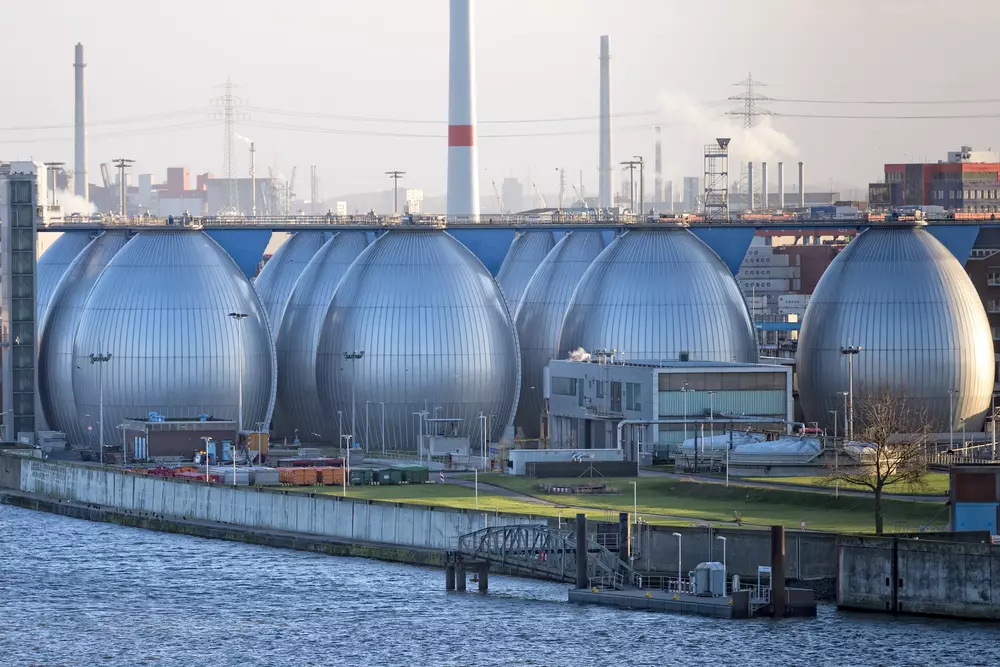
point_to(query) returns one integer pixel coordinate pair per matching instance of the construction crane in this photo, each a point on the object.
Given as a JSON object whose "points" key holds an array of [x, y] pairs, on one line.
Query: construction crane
{"points": [[582, 200], [105, 176], [540, 197], [503, 209]]}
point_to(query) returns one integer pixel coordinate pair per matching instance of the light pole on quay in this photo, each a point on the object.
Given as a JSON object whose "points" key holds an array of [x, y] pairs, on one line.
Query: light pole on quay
{"points": [[100, 359]]}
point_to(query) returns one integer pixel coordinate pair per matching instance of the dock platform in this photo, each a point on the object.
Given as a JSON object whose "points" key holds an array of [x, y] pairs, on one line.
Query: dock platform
{"points": [[800, 602]]}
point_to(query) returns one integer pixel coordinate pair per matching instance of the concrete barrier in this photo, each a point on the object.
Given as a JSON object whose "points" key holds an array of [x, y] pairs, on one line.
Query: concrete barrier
{"points": [[918, 576], [313, 514]]}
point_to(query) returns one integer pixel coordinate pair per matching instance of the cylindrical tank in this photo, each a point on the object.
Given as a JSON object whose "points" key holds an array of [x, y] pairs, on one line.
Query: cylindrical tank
{"points": [[540, 314], [298, 410], [659, 295], [436, 336], [51, 267], [901, 296], [276, 280], [55, 351], [162, 309], [526, 252]]}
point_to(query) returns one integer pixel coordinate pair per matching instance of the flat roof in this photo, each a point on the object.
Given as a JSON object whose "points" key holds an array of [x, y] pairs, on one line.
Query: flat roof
{"points": [[673, 363]]}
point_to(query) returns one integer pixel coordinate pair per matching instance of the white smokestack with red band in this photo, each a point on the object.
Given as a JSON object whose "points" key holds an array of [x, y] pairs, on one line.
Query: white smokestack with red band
{"points": [[463, 159]]}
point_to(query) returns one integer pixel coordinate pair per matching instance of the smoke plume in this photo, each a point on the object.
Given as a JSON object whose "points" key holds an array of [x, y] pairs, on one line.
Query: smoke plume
{"points": [[72, 203], [579, 354]]}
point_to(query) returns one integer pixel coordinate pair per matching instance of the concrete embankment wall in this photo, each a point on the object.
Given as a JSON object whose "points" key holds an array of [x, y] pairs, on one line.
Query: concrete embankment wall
{"points": [[919, 576], [265, 509]]}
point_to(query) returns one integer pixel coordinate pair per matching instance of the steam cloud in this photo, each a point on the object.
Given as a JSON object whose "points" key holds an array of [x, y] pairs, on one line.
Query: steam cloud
{"points": [[71, 204]]}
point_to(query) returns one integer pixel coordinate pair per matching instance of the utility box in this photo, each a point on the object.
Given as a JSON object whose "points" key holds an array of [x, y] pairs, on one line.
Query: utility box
{"points": [[710, 580]]}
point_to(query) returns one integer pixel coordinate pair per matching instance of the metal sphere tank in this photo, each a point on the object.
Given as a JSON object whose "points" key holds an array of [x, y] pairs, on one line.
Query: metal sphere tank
{"points": [[162, 308], [540, 314], [901, 296], [436, 336], [276, 280], [52, 265], [659, 294], [526, 252], [298, 408], [55, 352]]}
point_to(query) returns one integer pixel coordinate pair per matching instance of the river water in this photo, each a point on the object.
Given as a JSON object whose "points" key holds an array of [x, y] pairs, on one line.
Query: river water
{"points": [[79, 593]]}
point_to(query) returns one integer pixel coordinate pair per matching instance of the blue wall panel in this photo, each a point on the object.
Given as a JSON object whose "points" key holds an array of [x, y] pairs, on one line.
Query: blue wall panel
{"points": [[245, 246], [489, 245], [959, 239], [730, 244], [976, 516]]}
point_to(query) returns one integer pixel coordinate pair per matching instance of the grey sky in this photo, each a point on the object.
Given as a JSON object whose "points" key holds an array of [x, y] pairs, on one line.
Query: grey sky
{"points": [[535, 59]]}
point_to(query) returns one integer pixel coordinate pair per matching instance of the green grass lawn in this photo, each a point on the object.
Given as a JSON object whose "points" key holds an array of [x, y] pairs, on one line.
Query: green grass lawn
{"points": [[694, 501], [935, 484]]}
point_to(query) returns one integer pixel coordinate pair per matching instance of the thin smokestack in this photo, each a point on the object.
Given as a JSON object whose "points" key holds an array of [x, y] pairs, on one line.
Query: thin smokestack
{"points": [[781, 185], [606, 182], [763, 185], [80, 182], [802, 185], [750, 205], [658, 167], [463, 159]]}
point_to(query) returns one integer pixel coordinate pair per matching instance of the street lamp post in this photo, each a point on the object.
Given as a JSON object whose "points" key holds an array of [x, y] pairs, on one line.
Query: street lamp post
{"points": [[836, 455], [635, 502], [711, 418], [851, 352], [951, 418], [100, 359], [340, 428], [382, 403], [239, 317], [723, 539], [353, 356], [847, 433], [684, 391], [678, 536]]}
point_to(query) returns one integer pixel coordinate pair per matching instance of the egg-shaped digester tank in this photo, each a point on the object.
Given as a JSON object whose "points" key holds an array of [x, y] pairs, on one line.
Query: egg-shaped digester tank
{"points": [[163, 309], [897, 293], [52, 265], [55, 353], [419, 324], [525, 254], [298, 410], [540, 314], [276, 280], [659, 294]]}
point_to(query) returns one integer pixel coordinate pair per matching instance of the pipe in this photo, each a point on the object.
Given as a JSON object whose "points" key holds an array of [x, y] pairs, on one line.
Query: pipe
{"points": [[658, 168], [781, 185], [463, 159], [802, 185], [764, 203], [606, 182], [750, 186], [80, 183]]}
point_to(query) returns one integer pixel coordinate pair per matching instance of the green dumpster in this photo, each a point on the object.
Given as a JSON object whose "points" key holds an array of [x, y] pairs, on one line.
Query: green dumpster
{"points": [[361, 476], [414, 474], [387, 475]]}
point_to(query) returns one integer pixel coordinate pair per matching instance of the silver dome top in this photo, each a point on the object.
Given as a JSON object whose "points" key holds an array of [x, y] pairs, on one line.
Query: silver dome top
{"points": [[161, 308], [298, 406], [526, 252], [276, 280], [903, 297], [540, 314], [436, 336], [55, 355], [656, 294], [51, 267]]}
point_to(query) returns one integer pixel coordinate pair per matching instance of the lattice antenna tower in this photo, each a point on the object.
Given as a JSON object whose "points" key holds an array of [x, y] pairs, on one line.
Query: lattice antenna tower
{"points": [[749, 110], [229, 115], [717, 181]]}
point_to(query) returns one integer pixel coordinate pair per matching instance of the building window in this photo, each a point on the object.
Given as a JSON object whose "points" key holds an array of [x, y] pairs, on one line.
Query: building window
{"points": [[564, 386], [599, 389], [996, 332], [633, 396], [994, 306], [616, 397], [993, 278]]}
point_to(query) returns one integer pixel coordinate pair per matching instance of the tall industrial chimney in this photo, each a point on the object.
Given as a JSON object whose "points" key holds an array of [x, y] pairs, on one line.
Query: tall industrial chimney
{"points": [[80, 182], [463, 160], [606, 181], [763, 186], [658, 167], [802, 186], [750, 186], [781, 185]]}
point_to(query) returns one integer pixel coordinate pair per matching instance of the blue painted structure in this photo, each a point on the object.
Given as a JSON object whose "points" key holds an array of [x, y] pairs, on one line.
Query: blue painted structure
{"points": [[958, 239], [245, 246], [976, 516]]}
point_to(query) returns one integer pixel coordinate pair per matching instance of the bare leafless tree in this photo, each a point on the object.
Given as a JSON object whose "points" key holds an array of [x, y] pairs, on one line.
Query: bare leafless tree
{"points": [[894, 431]]}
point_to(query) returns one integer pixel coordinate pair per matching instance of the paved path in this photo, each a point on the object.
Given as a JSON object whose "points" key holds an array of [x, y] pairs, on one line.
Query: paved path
{"points": [[733, 481]]}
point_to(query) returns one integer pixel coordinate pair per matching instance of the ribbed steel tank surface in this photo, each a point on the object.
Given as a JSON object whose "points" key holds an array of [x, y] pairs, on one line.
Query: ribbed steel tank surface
{"points": [[659, 294], [525, 254], [540, 314], [436, 335], [162, 308], [52, 265], [901, 296], [55, 356], [298, 410], [277, 279]]}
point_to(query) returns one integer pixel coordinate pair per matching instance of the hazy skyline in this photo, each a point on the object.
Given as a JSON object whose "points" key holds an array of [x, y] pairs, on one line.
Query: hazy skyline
{"points": [[535, 60]]}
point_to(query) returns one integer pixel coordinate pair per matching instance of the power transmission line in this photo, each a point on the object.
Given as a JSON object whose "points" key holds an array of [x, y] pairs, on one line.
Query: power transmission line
{"points": [[750, 97]]}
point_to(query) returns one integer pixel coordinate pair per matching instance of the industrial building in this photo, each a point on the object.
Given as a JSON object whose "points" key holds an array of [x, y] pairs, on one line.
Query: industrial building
{"points": [[968, 180], [983, 267], [588, 399]]}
